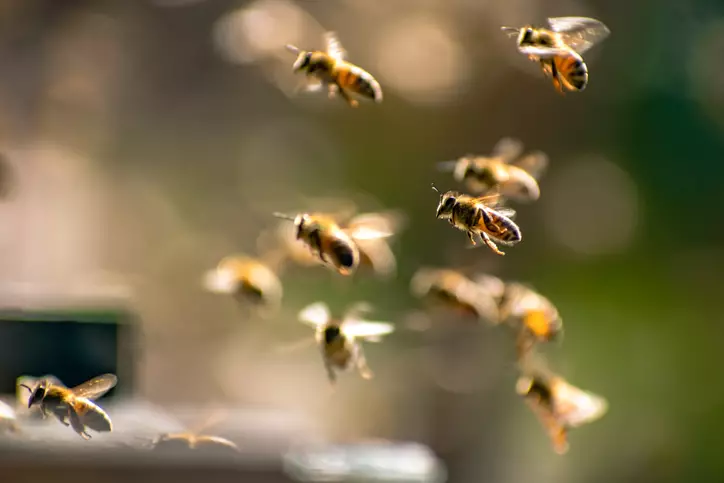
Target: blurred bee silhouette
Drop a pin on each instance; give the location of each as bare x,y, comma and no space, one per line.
74,407
479,216
534,318
504,172
193,440
559,49
338,339
8,419
330,70
452,289
338,246
558,405
251,281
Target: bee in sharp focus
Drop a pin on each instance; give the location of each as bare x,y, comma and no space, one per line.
330,69
339,339
479,216
532,315
559,49
558,405
249,280
455,290
333,245
505,172
74,407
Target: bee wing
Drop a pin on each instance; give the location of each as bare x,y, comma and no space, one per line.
380,256
508,149
96,387
371,331
543,52
315,314
220,280
334,46
576,407
370,226
447,166
215,441
505,211
490,284
534,163
510,31
579,33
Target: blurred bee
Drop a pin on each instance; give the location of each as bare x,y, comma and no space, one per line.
558,50
333,245
193,440
559,405
338,338
74,407
503,172
533,316
476,216
8,419
455,290
331,70
248,280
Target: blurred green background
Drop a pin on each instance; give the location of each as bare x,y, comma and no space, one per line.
143,141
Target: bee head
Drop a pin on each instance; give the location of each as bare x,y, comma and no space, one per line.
527,36
303,61
331,333
447,202
37,394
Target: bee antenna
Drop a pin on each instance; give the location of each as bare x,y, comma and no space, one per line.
27,387
435,188
283,216
293,49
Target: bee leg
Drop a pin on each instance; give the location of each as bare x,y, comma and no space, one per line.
348,98
490,243
362,367
471,235
77,425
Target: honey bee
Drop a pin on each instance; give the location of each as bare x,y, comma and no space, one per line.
504,172
193,440
74,407
333,245
453,289
338,339
534,317
331,70
559,405
248,279
476,216
559,49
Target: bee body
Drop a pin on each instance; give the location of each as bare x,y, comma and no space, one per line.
329,69
469,214
74,407
249,280
559,49
328,242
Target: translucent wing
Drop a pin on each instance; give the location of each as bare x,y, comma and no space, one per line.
510,31
221,280
379,255
579,33
96,387
508,149
334,46
447,166
490,284
505,211
315,314
370,331
543,52
575,407
369,226
215,441
534,163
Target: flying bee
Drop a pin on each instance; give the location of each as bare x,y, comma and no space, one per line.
74,407
505,172
533,316
330,69
453,289
333,245
338,339
193,440
476,216
559,49
376,253
248,280
559,405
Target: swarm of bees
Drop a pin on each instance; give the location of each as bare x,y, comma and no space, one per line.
344,243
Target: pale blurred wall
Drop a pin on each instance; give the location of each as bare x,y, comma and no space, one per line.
148,142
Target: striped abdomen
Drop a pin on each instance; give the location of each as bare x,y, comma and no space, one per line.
568,72
500,227
356,79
